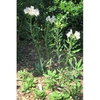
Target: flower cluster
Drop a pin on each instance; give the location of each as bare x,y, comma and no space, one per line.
76,34
51,20
31,11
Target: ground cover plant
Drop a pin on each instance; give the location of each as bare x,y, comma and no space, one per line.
54,30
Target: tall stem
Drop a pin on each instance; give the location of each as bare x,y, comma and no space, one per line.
46,41
69,51
31,25
58,46
33,38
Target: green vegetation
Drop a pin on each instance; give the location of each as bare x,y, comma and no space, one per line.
55,27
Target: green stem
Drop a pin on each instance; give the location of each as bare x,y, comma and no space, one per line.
31,25
33,38
69,50
38,50
58,46
46,41
46,45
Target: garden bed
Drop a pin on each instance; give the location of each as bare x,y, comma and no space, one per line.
49,45
26,62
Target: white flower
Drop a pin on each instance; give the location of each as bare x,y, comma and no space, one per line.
69,33
48,18
26,10
31,11
51,20
36,12
77,35
32,7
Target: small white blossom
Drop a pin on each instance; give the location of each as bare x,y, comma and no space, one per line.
32,7
26,10
48,18
77,35
31,11
51,20
69,33
36,12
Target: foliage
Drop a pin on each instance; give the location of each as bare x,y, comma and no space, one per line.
64,83
59,96
27,85
77,65
23,74
51,79
40,68
72,10
56,34
39,94
28,81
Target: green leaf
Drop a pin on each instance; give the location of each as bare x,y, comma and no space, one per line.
66,95
75,51
79,64
78,84
71,63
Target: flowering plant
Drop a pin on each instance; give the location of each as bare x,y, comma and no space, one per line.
72,47
56,52
34,29
53,37
47,36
